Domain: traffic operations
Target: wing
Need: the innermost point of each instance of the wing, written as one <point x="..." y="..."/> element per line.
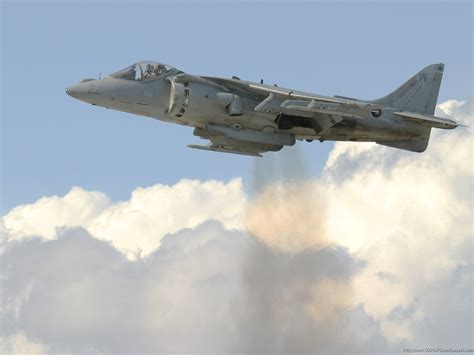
<point x="290" y="109"/>
<point x="264" y="90"/>
<point x="297" y="107"/>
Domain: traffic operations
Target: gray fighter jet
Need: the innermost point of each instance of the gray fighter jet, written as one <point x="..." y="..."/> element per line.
<point x="243" y="117"/>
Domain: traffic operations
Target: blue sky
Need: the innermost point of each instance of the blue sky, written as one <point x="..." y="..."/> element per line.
<point x="50" y="142"/>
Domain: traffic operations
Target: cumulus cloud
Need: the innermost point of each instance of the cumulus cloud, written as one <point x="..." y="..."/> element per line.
<point x="198" y="292"/>
<point x="85" y="296"/>
<point x="20" y="344"/>
<point x="135" y="226"/>
<point x="459" y="110"/>
<point x="412" y="224"/>
<point x="374" y="255"/>
<point x="77" y="208"/>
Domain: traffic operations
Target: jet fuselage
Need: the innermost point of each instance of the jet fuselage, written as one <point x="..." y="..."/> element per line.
<point x="263" y="117"/>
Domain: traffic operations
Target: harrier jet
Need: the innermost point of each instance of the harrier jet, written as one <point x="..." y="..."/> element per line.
<point x="248" y="118"/>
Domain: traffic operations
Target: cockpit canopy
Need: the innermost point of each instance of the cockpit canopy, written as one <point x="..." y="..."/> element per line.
<point x="143" y="71"/>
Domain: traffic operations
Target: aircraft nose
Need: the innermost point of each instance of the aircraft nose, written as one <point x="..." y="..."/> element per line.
<point x="76" y="91"/>
<point x="82" y="91"/>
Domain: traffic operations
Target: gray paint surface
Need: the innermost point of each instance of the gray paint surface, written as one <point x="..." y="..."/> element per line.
<point x="248" y="118"/>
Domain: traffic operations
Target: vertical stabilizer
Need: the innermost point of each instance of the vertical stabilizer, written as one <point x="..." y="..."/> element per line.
<point x="418" y="94"/>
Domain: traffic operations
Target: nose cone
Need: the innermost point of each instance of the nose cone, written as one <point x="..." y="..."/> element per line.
<point x="78" y="91"/>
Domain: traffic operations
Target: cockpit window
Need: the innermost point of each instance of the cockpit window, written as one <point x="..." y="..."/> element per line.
<point x="154" y="70"/>
<point x="143" y="71"/>
<point x="132" y="72"/>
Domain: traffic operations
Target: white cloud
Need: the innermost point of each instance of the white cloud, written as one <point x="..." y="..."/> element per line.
<point x="376" y="254"/>
<point x="348" y="151"/>
<point x="412" y="223"/>
<point x="459" y="110"/>
<point x="43" y="217"/>
<point x="135" y="226"/>
<point x="19" y="344"/>
<point x="204" y="290"/>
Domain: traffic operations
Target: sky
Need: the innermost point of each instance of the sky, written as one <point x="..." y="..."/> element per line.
<point x="117" y="238"/>
<point x="51" y="142"/>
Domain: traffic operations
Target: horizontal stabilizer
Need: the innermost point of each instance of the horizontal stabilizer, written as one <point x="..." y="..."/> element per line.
<point x="223" y="150"/>
<point x="429" y="120"/>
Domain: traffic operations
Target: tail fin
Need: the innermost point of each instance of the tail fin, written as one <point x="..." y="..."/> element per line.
<point x="419" y="94"/>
